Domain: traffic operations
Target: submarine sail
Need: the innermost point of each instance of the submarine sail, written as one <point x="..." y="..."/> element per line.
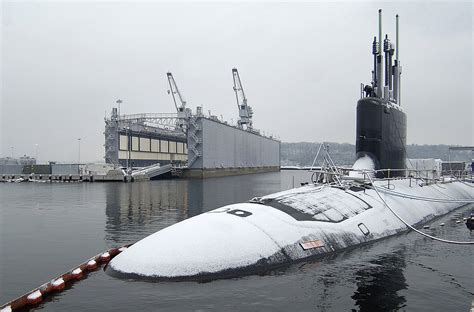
<point x="381" y="122"/>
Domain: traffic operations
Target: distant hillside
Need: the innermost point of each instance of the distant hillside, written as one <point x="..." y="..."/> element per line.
<point x="303" y="153"/>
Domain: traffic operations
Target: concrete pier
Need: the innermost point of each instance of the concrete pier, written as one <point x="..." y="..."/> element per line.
<point x="61" y="178"/>
<point x="117" y="175"/>
<point x="222" y="172"/>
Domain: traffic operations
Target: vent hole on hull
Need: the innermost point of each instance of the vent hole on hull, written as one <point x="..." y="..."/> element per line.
<point x="363" y="229"/>
<point x="240" y="213"/>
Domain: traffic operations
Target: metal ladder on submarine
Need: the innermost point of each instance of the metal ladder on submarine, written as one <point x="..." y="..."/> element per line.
<point x="315" y="219"/>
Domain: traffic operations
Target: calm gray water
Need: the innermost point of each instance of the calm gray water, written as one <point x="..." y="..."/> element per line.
<point x="46" y="229"/>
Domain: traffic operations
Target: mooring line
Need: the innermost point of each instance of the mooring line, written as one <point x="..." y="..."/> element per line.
<point x="375" y="188"/>
<point x="58" y="284"/>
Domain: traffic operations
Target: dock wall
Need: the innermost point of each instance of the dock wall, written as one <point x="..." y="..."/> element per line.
<point x="222" y="172"/>
<point x="222" y="148"/>
<point x="11" y="169"/>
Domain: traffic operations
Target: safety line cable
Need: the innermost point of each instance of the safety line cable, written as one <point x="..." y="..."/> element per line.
<point x="431" y="199"/>
<point x="413" y="228"/>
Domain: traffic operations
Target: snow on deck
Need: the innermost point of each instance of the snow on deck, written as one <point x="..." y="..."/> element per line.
<point x="363" y="163"/>
<point x="241" y="235"/>
<point x="210" y="242"/>
<point x="331" y="205"/>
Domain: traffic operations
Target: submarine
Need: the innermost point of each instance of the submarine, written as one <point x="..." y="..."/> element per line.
<point x="377" y="198"/>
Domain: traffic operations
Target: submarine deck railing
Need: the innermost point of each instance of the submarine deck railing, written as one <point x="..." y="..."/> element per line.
<point x="429" y="176"/>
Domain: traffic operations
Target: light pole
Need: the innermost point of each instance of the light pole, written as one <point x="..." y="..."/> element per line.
<point x="119" y="101"/>
<point x="79" y="154"/>
<point x="11" y="148"/>
<point x="129" y="147"/>
<point x="36" y="152"/>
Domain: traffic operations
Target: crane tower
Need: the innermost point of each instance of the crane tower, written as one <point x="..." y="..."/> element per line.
<point x="245" y="111"/>
<point x="179" y="102"/>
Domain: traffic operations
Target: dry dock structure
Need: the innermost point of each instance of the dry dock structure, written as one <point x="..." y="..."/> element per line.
<point x="200" y="145"/>
<point x="218" y="149"/>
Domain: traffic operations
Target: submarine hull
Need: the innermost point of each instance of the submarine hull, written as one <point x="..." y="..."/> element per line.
<point x="282" y="228"/>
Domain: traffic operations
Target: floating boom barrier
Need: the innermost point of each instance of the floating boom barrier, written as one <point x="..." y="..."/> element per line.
<point x="58" y="284"/>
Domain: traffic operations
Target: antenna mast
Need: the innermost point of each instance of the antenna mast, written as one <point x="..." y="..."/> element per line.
<point x="390" y="90"/>
<point x="397" y="70"/>
<point x="379" y="67"/>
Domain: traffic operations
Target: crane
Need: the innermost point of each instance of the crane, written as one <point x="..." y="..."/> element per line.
<point x="179" y="102"/>
<point x="245" y="111"/>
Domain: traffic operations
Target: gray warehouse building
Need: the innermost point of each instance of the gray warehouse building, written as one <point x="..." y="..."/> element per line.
<point x="217" y="148"/>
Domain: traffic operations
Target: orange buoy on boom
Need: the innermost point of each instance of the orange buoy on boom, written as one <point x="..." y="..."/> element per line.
<point x="6" y="309"/>
<point x="77" y="273"/>
<point x="105" y="257"/>
<point x="91" y="265"/>
<point x="34" y="298"/>
<point x="58" y="284"/>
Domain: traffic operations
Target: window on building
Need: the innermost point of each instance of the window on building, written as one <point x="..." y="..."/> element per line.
<point x="180" y="148"/>
<point x="164" y="146"/>
<point x="135" y="143"/>
<point x="155" y="145"/>
<point x="123" y="142"/>
<point x="144" y="144"/>
<point x="172" y="147"/>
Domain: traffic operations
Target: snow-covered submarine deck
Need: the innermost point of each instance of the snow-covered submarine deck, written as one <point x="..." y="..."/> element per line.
<point x="282" y="228"/>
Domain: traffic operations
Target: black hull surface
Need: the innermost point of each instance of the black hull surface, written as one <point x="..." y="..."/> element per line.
<point x="381" y="134"/>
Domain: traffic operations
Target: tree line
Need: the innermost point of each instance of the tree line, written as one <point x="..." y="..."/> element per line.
<point x="303" y="153"/>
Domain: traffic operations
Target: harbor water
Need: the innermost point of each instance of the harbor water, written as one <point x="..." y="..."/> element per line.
<point x="48" y="228"/>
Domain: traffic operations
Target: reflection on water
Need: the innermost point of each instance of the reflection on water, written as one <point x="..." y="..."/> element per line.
<point x="143" y="208"/>
<point x="379" y="283"/>
<point x="135" y="210"/>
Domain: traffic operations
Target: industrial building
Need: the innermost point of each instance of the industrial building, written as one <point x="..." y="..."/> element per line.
<point x="142" y="140"/>
<point x="202" y="146"/>
<point x="219" y="149"/>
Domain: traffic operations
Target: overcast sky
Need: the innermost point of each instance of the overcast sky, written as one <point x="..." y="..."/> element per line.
<point x="63" y="65"/>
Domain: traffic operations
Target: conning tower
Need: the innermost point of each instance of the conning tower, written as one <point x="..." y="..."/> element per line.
<point x="381" y="122"/>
